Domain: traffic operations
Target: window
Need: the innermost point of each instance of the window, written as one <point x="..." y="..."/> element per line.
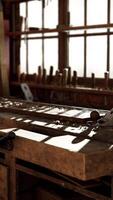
<point x="111" y="14"/>
<point x="51" y="54"/>
<point x="76" y="55"/>
<point x="34" y="55"/>
<point x="51" y="14"/>
<point x="89" y="50"/>
<point x="34" y="46"/>
<point x="94" y="53"/>
<point x="76" y="9"/>
<point x="96" y="12"/>
<point x="31" y="12"/>
<point x="111" y="56"/>
<point x="111" y="11"/>
<point x="23" y="57"/>
<point x="35" y="14"/>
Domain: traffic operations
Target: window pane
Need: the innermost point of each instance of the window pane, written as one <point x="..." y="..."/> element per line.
<point x="96" y="55"/>
<point x="76" y="8"/>
<point x="97" y="30"/>
<point x="23" y="57"/>
<point x="76" y="32"/>
<point x="111" y="15"/>
<point x="34" y="35"/>
<point x="111" y="11"/>
<point x="35" y="14"/>
<point x="111" y="56"/>
<point x="96" y="12"/>
<point x="76" y="54"/>
<point x="23" y="15"/>
<point x="23" y="9"/>
<point x="51" y="54"/>
<point x="51" y="14"/>
<point x="34" y="55"/>
<point x="51" y="34"/>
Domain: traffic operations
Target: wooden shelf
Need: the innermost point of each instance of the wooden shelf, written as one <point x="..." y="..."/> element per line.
<point x="68" y="95"/>
<point x="77" y="89"/>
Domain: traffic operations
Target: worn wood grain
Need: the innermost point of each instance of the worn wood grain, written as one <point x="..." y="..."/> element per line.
<point x="3" y="68"/>
<point x="51" y="157"/>
<point x="3" y="182"/>
<point x="78" y="157"/>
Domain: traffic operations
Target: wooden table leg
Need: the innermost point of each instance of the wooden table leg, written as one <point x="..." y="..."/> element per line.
<point x="3" y="182"/>
<point x="10" y="159"/>
<point x="111" y="187"/>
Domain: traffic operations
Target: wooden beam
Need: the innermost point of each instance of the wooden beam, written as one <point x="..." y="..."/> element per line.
<point x="4" y="79"/>
<point x="63" y="39"/>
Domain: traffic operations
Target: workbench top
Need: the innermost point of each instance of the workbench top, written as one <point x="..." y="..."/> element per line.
<point x="55" y="145"/>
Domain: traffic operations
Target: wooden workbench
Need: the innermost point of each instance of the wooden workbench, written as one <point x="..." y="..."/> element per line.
<point x="45" y="137"/>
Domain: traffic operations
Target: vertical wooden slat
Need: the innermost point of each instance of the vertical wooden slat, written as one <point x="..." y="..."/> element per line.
<point x="93" y="80"/>
<point x="63" y="39"/>
<point x="4" y="79"/>
<point x="106" y="77"/>
<point x="64" y="76"/>
<point x="39" y="74"/>
<point x="69" y="76"/>
<point x="112" y="187"/>
<point x="74" y="78"/>
<point x="108" y="36"/>
<point x="10" y="161"/>
<point x="43" y="52"/>
<point x="44" y="77"/>
<point x="12" y="43"/>
<point x="51" y="73"/>
<point x="26" y="40"/>
<point x="3" y="183"/>
<point x="85" y="38"/>
<point x="15" y="25"/>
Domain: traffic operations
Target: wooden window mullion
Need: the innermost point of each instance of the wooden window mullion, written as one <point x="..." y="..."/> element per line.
<point x="85" y="38"/>
<point x="63" y="39"/>
<point x="27" y="41"/>
<point x="108" y="36"/>
<point x="43" y="5"/>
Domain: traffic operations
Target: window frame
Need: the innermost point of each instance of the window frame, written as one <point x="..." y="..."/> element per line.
<point x="63" y="37"/>
<point x="94" y="33"/>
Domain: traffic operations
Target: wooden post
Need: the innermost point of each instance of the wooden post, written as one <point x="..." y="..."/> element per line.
<point x="74" y="79"/>
<point x="112" y="187"/>
<point x="64" y="76"/>
<point x="63" y="36"/>
<point x="4" y="79"/>
<point x="56" y="77"/>
<point x="3" y="182"/>
<point x="39" y="74"/>
<point x="10" y="161"/>
<point x="69" y="76"/>
<point x="44" y="77"/>
<point x="93" y="80"/>
<point x="50" y="78"/>
<point x="59" y="79"/>
<point x="106" y="76"/>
